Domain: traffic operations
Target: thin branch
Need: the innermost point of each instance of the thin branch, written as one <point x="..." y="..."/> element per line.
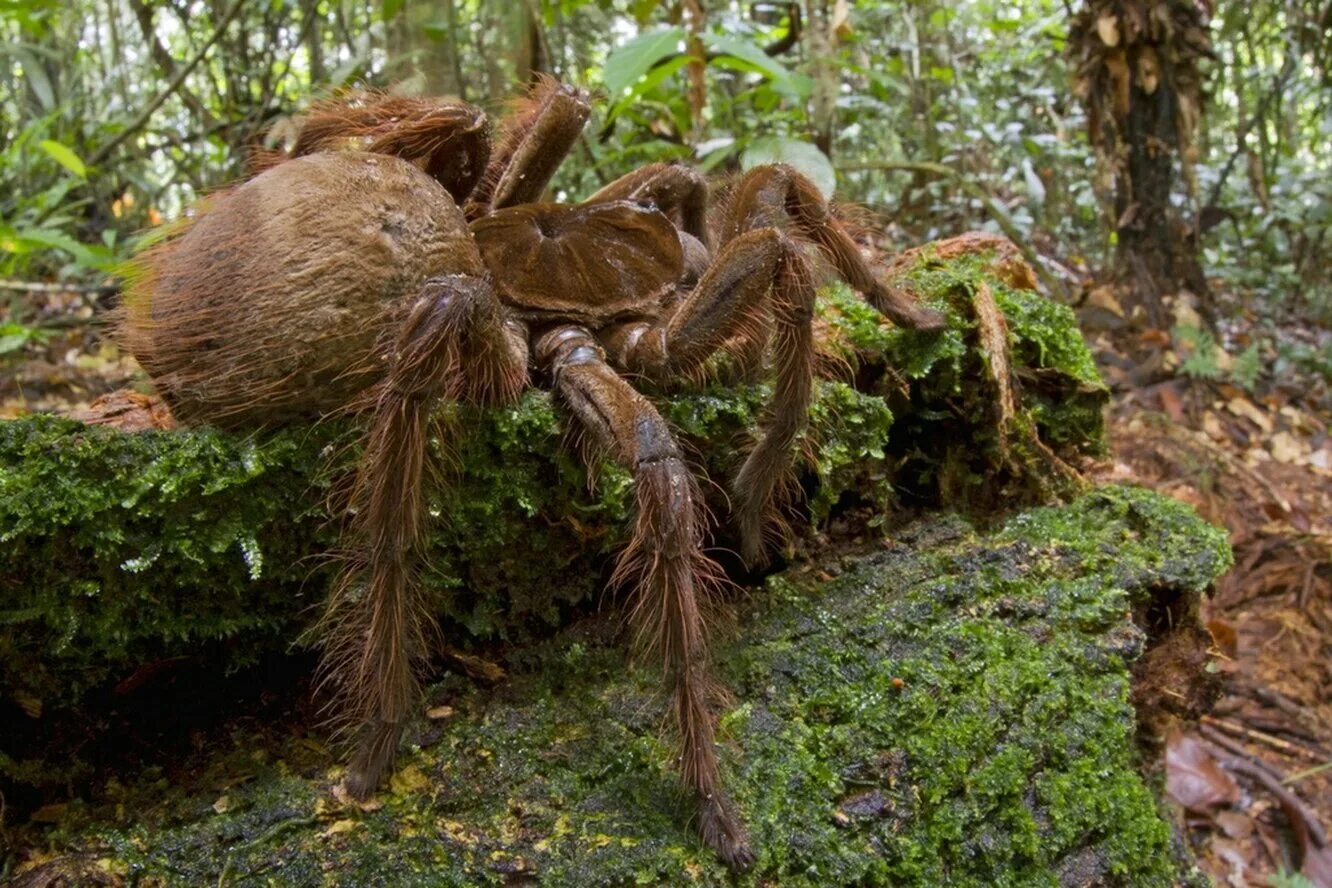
<point x="139" y="122"/>
<point x="163" y="58"/>
<point x="1278" y="85"/>
<point x="46" y="287"/>
<point x="783" y="44"/>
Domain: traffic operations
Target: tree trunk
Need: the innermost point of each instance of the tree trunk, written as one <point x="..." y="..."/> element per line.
<point x="1137" y="73"/>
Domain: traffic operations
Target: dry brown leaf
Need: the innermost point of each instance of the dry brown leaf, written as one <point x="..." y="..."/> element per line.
<point x="1107" y="28"/>
<point x="1224" y="637"/>
<point x="1104" y="299"/>
<point x="1235" y="824"/>
<point x="1172" y="404"/>
<point x="1194" y="779"/>
<point x="1149" y="70"/>
<point x="840" y="22"/>
<point x="1120" y="81"/>
<point x="1286" y="448"/>
<point x="1247" y="409"/>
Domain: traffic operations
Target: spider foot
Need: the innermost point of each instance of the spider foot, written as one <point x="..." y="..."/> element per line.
<point x="720" y="829"/>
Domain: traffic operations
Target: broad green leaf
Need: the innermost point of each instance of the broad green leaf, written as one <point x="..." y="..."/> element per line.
<point x="1035" y="187"/>
<point x="806" y="158"/>
<point x="37" y="79"/>
<point x="89" y="256"/>
<point x="646" y="84"/>
<point x="65" y="157"/>
<point x="797" y="86"/>
<point x="631" y="61"/>
<point x="13" y="337"/>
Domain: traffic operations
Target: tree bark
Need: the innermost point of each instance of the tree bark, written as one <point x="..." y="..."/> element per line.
<point x="1137" y="73"/>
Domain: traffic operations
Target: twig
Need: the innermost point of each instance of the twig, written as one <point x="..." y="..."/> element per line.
<point x="47" y="287"/>
<point x="1212" y="735"/>
<point x="1291" y="802"/>
<point x="142" y="119"/>
<point x="1307" y="772"/>
<point x="1280" y="701"/>
<point x="1259" y="736"/>
<point x="272" y="832"/>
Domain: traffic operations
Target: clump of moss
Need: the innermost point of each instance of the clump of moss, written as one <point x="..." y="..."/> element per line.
<point x="947" y="443"/>
<point x="951" y="710"/>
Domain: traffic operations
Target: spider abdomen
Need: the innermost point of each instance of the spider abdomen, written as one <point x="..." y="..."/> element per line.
<point x="278" y="300"/>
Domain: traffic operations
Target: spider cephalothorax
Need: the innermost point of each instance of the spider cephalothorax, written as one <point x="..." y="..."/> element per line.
<point x="347" y="277"/>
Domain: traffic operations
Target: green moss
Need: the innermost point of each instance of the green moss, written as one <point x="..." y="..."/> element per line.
<point x="952" y="710"/>
<point x="946" y="439"/>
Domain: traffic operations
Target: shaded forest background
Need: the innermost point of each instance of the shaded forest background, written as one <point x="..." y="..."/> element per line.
<point x="1163" y="164"/>
<point x="1159" y="143"/>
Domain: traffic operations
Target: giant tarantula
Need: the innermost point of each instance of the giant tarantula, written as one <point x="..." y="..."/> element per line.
<point x="387" y="262"/>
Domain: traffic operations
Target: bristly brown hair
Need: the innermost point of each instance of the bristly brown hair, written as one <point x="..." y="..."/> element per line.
<point x="449" y="141"/>
<point x="377" y="632"/>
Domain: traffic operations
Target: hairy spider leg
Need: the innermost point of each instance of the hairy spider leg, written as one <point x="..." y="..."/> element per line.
<point x="664" y="561"/>
<point x="449" y="141"/>
<point x="676" y="190"/>
<point x="454" y="345"/>
<point x="777" y="195"/>
<point x="757" y="276"/>
<point x="538" y="135"/>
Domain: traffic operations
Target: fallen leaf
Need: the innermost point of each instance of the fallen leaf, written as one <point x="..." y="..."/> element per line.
<point x="1194" y="779"/>
<point x="1286" y="448"/>
<point x="49" y="813"/>
<point x="1107" y="28"/>
<point x="1245" y="408"/>
<point x="1104" y="298"/>
<point x="1235" y="824"/>
<point x="339" y="827"/>
<point x="345" y="798"/>
<point x="1224" y="637"/>
<point x="1172" y="404"/>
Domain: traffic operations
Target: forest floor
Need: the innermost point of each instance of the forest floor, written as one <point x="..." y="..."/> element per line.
<point x="1254" y="777"/>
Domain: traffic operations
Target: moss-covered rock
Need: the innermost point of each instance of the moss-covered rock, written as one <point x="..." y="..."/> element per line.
<point x="120" y="552"/>
<point x="950" y="709"/>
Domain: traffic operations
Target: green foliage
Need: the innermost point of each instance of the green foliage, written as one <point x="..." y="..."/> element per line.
<point x="1204" y="356"/>
<point x="978" y="87"/>
<point x="951" y="710"/>
<point x="1284" y="878"/>
<point x="1200" y="352"/>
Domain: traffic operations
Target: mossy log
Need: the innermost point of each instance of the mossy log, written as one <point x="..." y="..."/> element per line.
<point x="123" y="555"/>
<point x="951" y="708"/>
